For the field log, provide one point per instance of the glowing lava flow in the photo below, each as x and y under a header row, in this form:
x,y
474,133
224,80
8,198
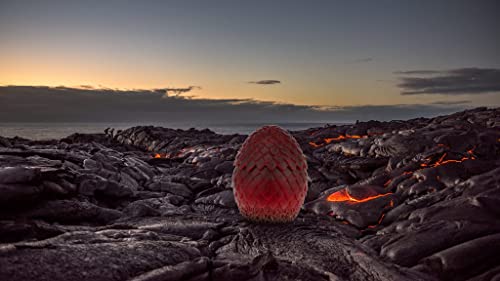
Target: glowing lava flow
x,y
343,195
379,221
313,144
441,160
171,155
341,137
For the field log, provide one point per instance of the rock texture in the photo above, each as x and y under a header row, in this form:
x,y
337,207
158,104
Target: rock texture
x,y
400,200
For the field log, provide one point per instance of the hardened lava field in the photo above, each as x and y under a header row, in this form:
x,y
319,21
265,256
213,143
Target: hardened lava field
x,y
399,200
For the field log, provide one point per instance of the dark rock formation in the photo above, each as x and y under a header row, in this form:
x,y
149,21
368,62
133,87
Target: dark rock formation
x,y
400,200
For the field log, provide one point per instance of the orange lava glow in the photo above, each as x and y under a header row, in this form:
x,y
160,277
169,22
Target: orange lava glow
x,y
313,144
342,137
171,155
443,145
441,160
344,196
339,138
379,221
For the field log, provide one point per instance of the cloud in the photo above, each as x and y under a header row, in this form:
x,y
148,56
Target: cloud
x,y
458,102
361,60
178,91
265,82
65,104
461,81
417,72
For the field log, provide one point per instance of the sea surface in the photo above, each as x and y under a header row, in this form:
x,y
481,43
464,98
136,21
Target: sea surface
x,y
42,131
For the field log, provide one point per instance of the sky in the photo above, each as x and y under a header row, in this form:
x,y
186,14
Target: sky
x,y
319,57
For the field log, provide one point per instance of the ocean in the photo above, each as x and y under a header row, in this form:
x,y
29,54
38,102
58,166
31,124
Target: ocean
x,y
43,131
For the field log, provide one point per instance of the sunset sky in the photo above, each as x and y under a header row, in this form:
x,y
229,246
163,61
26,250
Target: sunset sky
x,y
322,53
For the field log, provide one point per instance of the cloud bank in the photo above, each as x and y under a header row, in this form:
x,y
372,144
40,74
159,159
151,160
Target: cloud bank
x,y
178,91
417,72
64,104
461,81
361,60
266,82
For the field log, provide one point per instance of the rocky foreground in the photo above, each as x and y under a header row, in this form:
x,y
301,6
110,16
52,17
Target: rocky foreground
x,y
400,200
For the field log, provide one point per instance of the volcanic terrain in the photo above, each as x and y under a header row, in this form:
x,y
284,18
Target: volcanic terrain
x,y
399,200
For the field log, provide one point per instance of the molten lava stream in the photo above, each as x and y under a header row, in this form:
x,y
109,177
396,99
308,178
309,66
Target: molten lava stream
x,y
340,137
441,160
344,196
313,144
343,137
379,221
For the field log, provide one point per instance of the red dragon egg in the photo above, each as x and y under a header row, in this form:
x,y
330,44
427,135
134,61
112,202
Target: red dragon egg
x,y
270,176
